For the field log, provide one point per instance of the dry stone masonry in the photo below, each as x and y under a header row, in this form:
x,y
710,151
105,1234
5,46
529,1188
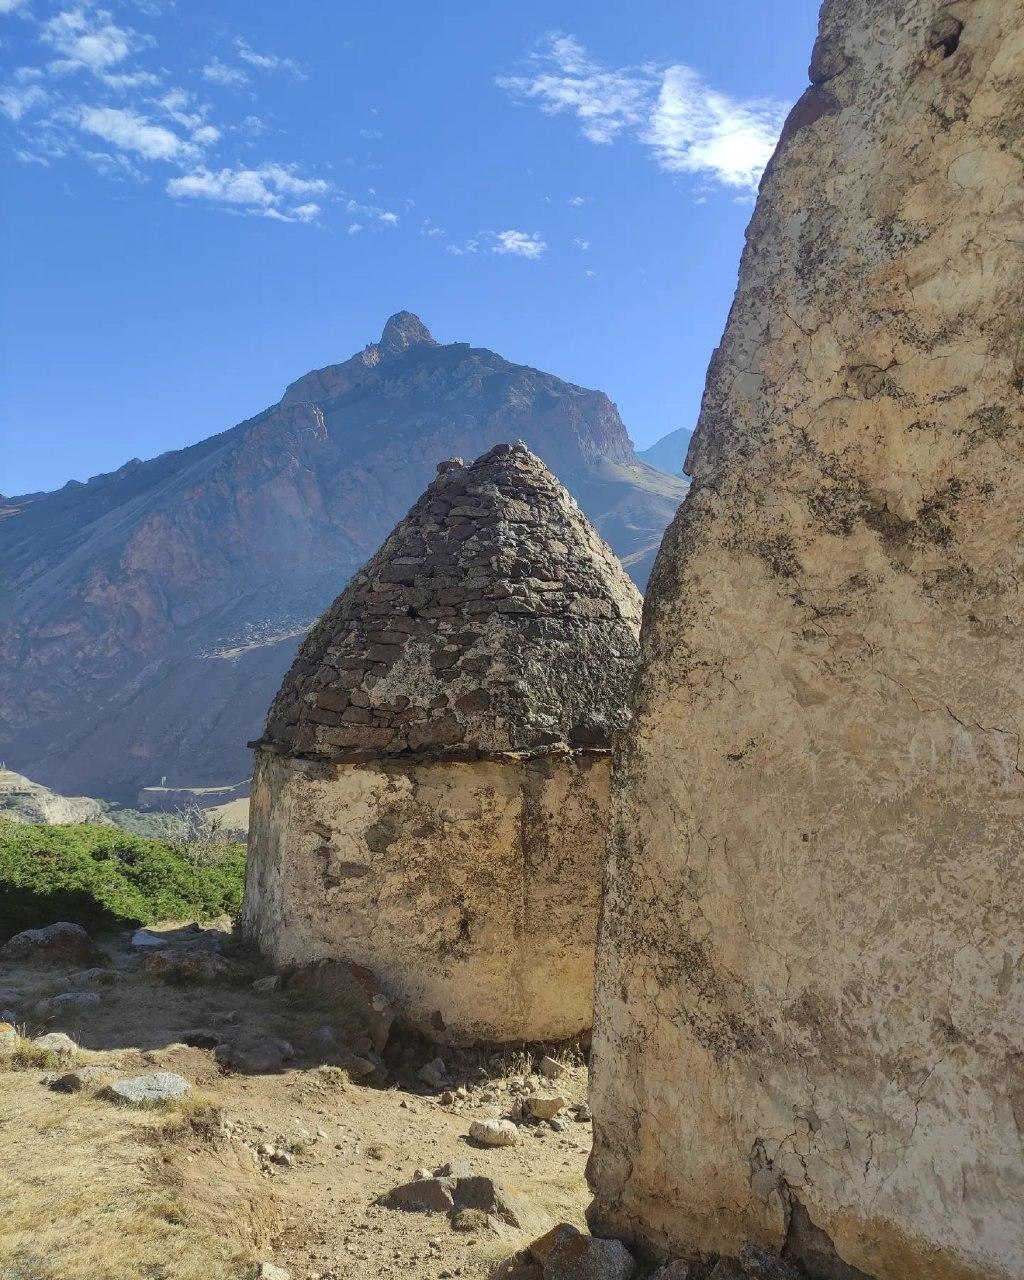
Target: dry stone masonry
x,y
810,989
430,799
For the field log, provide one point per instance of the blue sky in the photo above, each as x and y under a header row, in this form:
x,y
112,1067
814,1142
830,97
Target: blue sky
x,y
201,201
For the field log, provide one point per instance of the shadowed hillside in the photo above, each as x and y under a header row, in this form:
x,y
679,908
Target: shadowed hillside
x,y
149,615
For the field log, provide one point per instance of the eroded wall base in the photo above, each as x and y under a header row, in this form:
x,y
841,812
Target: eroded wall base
x,y
470,889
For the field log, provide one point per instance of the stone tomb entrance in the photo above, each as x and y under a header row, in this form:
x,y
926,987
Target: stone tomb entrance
x,y
431,796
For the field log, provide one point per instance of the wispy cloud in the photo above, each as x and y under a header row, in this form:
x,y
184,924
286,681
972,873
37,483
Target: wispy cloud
x,y
688,126
18,100
132,132
518,244
88,39
9,6
268,61
522,244
217,72
269,190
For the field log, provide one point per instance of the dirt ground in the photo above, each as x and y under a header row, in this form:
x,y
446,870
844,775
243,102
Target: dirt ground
x,y
288,1167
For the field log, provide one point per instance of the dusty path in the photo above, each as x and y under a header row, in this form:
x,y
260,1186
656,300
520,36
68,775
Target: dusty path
x,y
287,1167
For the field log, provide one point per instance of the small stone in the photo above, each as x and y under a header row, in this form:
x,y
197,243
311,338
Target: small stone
x,y
97,976
759,1263
494,1133
254,1053
558,1124
419,1174
69,1000
551,1068
545,1106
57,1042
425,1195
269,1271
434,1073
141,1091
454,1169
143,940
61,941
82,1078
267,984
582,1113
191,964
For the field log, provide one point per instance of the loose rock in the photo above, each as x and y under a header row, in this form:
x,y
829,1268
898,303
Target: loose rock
x,y
545,1106
148,1090
567,1254
256,1054
8,1037
551,1068
434,1073
425,1195
57,1042
61,941
494,1133
143,940
759,1263
69,1000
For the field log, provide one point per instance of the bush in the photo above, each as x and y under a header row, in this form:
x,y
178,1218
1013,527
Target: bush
x,y
102,877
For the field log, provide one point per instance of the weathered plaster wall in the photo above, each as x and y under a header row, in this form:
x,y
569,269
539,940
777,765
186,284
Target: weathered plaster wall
x,y
810,980
470,888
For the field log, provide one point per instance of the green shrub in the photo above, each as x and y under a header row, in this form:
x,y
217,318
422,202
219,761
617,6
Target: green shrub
x,y
102,877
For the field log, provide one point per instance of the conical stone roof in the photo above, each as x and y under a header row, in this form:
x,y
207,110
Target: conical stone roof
x,y
493,619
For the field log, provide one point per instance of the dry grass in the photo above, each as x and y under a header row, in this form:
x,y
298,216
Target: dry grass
x,y
81,1199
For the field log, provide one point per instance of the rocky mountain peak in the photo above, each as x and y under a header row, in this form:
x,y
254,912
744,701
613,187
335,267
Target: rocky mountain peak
x,y
402,331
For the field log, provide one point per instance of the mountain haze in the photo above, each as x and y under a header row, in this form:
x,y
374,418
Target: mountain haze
x,y
149,614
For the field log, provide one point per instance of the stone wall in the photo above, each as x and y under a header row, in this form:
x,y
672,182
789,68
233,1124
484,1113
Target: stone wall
x,y
469,888
810,988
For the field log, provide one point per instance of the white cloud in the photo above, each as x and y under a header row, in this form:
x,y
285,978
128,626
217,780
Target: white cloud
x,y
520,243
266,190
695,129
30,157
565,78
16,101
688,126
218,72
354,228
391,219
132,132
268,61
123,81
582,245
9,6
88,38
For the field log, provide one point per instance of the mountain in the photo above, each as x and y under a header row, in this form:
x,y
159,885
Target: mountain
x,y
148,615
668,453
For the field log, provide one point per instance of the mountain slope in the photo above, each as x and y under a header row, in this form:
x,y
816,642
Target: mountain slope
x,y
147,617
668,453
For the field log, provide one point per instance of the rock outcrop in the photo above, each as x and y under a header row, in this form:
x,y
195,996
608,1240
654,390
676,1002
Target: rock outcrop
x,y
149,615
810,990
431,797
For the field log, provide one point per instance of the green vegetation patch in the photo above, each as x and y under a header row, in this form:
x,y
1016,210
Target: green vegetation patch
x,y
102,877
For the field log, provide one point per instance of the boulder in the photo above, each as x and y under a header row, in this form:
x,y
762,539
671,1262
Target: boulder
x,y
494,1133
62,942
544,1106
8,1037
150,1090
425,1195
144,940
57,1042
565,1253
67,1002
254,1053
187,965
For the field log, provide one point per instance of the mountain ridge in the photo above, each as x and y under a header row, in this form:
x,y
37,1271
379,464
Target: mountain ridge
x,y
150,612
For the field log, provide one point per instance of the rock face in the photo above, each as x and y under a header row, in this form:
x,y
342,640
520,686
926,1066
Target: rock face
x,y
150,614
430,800
810,982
